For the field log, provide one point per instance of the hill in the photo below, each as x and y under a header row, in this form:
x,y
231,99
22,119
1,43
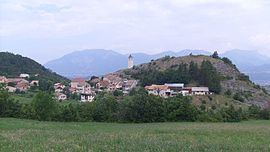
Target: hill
x,y
12,65
99,62
233,83
92,62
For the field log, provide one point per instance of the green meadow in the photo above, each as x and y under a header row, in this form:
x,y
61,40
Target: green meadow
x,y
29,135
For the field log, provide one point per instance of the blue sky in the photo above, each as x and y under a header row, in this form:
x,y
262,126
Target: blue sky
x,y
48,29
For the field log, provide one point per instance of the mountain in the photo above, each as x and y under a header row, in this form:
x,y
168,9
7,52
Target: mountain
x,y
99,62
252,63
246,58
233,83
12,65
267,88
88,62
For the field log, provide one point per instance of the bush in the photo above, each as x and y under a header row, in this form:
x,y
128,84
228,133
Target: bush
x,y
44,106
180,109
105,109
143,108
238,96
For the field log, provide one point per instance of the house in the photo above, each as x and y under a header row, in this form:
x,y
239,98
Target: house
x,y
34,83
22,86
103,84
161,90
95,81
60,96
129,84
87,97
79,85
198,90
3,79
10,89
58,87
176,87
24,75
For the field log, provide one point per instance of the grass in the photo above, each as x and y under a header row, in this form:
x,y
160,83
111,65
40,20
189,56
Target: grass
x,y
29,135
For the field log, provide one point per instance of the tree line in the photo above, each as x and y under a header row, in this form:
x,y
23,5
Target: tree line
x,y
204,75
138,107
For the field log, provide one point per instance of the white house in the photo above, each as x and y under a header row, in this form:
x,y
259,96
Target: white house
x,y
24,75
175,87
34,83
79,85
200,91
161,90
129,84
3,79
85,97
60,96
58,87
11,89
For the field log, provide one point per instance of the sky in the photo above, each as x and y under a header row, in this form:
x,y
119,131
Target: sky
x,y
48,29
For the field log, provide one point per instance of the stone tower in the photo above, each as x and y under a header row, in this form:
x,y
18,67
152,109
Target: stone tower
x,y
130,61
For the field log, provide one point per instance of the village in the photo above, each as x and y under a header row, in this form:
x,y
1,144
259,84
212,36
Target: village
x,y
87,90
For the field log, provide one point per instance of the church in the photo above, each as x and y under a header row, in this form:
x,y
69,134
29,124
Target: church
x,y
130,61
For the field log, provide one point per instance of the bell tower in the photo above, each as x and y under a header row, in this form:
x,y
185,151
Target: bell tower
x,y
130,61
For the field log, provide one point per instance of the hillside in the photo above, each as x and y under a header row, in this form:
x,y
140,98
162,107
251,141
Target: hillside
x,y
12,65
267,88
87,63
230,77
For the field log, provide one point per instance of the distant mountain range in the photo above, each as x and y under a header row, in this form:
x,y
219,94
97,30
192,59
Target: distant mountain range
x,y
86,63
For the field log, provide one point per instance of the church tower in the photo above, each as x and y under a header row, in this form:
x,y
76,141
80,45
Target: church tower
x,y
130,61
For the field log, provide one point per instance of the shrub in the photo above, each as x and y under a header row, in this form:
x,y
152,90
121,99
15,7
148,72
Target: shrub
x,y
44,106
237,96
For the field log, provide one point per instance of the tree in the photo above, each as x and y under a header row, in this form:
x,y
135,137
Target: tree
x,y
118,93
9,107
215,55
106,108
180,109
142,108
194,70
209,77
44,106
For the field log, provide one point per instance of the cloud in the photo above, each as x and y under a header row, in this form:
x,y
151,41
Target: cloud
x,y
150,25
260,39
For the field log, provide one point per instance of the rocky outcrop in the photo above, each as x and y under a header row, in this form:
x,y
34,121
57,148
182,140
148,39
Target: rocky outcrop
x,y
230,75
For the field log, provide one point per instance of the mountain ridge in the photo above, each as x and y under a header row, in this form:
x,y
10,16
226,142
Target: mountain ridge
x,y
90,62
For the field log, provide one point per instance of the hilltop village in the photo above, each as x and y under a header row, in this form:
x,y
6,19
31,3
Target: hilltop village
x,y
86,90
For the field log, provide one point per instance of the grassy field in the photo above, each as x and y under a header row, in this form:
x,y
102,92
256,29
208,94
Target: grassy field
x,y
28,135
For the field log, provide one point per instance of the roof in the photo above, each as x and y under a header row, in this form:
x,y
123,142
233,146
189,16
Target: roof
x,y
112,78
130,82
95,80
200,89
104,83
22,85
16,80
80,80
175,84
156,87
